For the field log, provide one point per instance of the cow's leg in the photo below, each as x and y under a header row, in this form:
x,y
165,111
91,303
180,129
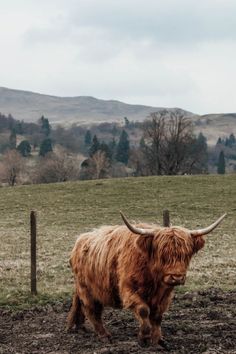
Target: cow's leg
x,y
156,319
93,311
75,316
157,337
142,313
158,308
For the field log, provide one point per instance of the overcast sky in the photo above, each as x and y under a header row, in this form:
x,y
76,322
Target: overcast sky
x,y
172,53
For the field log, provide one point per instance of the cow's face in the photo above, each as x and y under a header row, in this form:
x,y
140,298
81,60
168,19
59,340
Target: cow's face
x,y
170,249
175,266
174,248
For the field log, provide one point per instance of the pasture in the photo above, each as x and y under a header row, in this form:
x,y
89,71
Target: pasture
x,y
65,209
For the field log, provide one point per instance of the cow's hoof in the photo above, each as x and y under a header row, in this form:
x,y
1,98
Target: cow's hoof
x,y
106,338
164,344
144,342
76,329
82,328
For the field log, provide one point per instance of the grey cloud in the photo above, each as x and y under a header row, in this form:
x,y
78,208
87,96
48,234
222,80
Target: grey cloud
x,y
171,50
165,21
102,30
169,20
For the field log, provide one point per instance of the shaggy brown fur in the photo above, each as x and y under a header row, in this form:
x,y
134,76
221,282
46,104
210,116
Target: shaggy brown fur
x,y
114,267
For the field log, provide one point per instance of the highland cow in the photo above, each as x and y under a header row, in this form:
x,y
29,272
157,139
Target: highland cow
x,y
132,267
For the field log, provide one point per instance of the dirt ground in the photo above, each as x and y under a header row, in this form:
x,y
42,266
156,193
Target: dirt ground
x,y
199,322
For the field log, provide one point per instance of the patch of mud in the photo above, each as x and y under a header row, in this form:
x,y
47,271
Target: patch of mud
x,y
199,322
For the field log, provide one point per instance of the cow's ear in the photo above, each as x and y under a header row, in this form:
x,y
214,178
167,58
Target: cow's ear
x,y
198,243
145,244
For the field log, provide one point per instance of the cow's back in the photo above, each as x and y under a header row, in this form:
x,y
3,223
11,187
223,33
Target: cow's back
x,y
95,261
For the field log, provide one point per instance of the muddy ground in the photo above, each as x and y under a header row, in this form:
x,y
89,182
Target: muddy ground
x,y
199,322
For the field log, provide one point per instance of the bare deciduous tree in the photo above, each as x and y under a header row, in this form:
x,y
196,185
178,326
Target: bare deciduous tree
x,y
169,143
95,167
137,162
11,167
153,133
177,140
57,166
101,164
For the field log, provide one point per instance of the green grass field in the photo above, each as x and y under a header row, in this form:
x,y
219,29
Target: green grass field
x,y
65,209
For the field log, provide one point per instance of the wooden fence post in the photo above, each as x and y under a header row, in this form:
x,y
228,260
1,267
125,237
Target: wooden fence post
x,y
166,218
33,234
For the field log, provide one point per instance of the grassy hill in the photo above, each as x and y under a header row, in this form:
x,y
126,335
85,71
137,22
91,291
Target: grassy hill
x,y
66,209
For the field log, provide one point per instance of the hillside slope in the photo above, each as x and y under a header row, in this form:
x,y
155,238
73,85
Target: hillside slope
x,y
215,125
29,106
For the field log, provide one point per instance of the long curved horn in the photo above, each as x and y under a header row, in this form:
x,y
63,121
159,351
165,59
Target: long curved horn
x,y
136,230
208,229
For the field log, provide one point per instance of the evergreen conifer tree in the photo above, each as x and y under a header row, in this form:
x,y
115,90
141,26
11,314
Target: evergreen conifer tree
x,y
221,163
24,148
45,147
227,143
112,147
122,152
200,149
88,138
232,140
45,126
127,123
12,139
114,130
106,149
95,146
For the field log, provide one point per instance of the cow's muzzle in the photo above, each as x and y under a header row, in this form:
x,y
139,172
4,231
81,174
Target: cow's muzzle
x,y
174,279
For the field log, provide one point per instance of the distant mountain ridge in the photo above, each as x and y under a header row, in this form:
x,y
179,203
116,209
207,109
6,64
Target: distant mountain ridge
x,y
30,106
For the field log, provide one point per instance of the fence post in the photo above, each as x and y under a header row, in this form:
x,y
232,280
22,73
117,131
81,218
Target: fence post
x,y
33,234
166,218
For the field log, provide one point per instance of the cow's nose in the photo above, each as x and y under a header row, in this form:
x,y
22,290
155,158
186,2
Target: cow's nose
x,y
179,278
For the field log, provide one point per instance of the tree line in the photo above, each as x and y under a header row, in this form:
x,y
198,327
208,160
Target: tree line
x,y
164,144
